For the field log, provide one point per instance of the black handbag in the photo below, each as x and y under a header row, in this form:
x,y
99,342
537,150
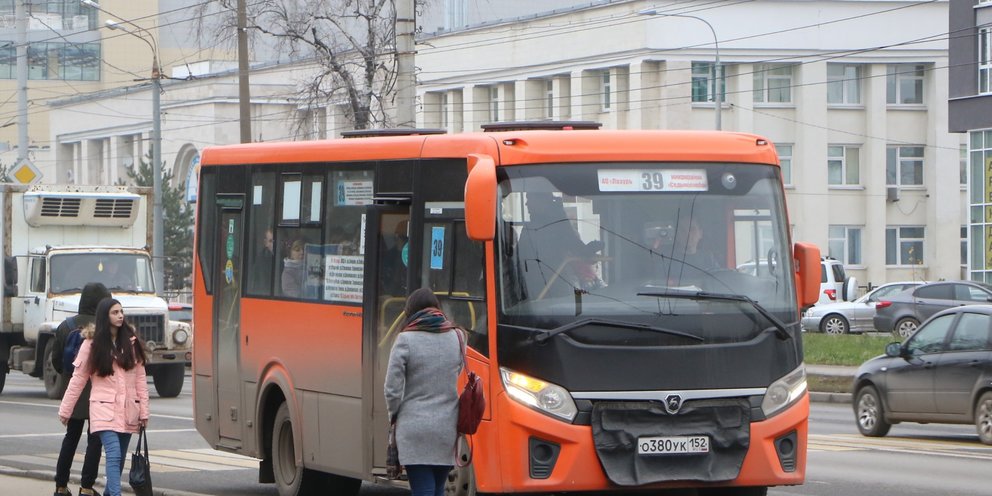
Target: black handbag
x,y
140,476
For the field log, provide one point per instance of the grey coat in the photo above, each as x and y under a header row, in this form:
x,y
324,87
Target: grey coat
x,y
422,395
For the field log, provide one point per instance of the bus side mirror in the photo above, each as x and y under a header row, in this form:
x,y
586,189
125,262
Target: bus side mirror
x,y
807,260
480,198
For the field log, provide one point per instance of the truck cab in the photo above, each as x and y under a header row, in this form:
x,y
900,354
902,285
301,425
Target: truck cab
x,y
77,236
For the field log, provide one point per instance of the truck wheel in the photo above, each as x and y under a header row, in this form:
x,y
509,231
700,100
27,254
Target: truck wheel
x,y
169,380
292,479
55,383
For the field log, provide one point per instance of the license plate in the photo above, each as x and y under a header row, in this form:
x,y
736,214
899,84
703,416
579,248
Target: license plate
x,y
677,445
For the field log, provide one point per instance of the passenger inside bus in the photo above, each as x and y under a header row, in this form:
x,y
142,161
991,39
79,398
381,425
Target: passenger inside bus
x,y
686,259
292,270
396,260
556,260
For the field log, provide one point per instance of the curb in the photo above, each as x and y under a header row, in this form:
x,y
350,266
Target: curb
x,y
49,476
830,397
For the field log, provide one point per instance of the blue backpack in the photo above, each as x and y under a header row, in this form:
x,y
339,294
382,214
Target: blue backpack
x,y
72,344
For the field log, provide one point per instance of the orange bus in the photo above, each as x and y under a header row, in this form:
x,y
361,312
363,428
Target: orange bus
x,y
631,299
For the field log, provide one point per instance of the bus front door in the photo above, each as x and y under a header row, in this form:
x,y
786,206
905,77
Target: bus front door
x,y
227,318
389,242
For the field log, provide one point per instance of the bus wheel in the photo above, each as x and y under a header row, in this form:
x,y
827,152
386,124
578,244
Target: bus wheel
x,y
169,380
461,480
734,491
292,479
55,383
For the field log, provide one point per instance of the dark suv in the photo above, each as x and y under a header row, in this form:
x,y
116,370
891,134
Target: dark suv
x,y
903,312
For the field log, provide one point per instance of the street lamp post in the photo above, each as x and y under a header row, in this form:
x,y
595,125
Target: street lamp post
x,y
158,229
717,70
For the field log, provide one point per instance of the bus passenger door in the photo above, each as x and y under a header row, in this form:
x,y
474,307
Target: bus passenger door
x,y
227,317
386,282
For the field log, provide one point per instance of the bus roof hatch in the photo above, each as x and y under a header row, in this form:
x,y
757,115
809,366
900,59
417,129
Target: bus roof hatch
x,y
541,125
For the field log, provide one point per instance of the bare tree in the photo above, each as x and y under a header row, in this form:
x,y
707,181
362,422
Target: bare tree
x,y
352,43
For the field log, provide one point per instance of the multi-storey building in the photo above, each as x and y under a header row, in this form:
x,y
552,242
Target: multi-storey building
x,y
970,112
853,94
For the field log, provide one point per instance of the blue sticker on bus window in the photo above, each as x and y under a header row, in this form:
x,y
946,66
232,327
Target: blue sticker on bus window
x,y
437,248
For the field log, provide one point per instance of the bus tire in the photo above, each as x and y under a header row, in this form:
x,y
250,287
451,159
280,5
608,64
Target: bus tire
x,y
461,480
169,380
292,479
55,383
734,491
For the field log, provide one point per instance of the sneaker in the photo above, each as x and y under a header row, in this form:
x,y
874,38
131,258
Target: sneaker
x,y
62,491
86,492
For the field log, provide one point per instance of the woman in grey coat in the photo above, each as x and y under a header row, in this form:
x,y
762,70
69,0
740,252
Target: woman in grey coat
x,y
422,393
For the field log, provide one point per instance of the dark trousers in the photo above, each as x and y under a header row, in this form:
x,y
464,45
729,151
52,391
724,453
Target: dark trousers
x,y
427,480
91,463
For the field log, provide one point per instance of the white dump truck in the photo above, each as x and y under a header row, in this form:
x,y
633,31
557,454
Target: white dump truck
x,y
55,240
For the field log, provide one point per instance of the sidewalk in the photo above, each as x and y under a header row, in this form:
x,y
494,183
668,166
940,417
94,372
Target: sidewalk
x,y
38,482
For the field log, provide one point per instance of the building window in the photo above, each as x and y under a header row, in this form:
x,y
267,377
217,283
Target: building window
x,y
904,84
549,98
904,166
844,244
785,161
964,246
963,165
844,84
985,60
54,61
843,165
493,104
773,83
904,245
606,89
703,83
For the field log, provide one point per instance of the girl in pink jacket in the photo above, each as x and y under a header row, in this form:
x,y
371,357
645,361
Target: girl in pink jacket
x,y
114,363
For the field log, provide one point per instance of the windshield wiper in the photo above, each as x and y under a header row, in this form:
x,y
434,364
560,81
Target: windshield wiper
x,y
780,329
546,335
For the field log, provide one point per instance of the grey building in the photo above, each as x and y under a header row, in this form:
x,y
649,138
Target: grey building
x,y
970,111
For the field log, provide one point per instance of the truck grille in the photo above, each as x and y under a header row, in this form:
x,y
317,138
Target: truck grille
x,y
118,208
60,207
149,327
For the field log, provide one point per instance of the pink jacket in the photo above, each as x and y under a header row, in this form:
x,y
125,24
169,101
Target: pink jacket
x,y
117,402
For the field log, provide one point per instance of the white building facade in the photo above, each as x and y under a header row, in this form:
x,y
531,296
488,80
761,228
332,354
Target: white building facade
x,y
853,94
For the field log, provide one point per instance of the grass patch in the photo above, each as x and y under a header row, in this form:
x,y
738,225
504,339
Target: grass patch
x,y
828,383
843,349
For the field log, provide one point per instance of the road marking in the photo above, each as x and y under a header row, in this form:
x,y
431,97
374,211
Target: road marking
x,y
56,406
60,434
937,447
162,461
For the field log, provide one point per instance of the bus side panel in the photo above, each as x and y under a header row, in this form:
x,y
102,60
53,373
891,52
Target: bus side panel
x,y
204,387
322,347
578,467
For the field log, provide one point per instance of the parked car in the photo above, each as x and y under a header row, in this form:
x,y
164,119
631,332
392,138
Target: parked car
x,y
903,312
835,285
941,374
851,316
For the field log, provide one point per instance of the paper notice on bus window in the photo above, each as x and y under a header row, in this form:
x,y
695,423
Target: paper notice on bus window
x,y
354,192
437,248
652,180
343,277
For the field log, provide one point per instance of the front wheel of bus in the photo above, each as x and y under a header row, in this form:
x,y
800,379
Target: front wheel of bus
x,y
461,480
292,479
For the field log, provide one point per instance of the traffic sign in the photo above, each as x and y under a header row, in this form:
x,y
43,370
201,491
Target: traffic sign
x,y
25,172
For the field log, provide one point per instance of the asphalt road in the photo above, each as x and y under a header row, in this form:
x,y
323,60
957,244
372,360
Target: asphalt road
x,y
913,460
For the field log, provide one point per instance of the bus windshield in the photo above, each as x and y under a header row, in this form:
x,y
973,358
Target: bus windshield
x,y
118,271
607,242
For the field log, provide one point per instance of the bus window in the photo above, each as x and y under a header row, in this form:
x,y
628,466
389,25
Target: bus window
x,y
207,224
298,238
453,267
261,248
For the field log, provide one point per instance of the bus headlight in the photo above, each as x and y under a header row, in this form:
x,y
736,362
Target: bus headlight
x,y
784,391
180,336
539,395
